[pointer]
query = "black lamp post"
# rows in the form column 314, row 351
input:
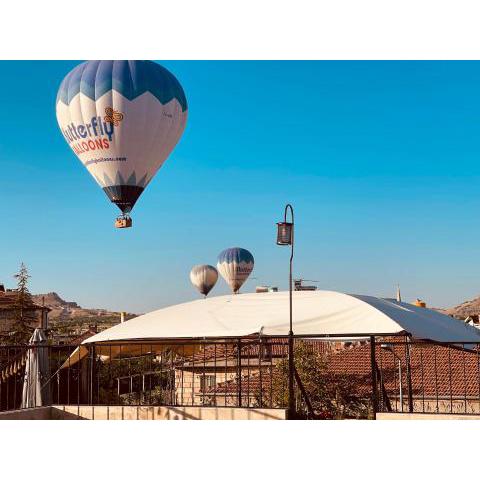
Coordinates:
column 285, row 237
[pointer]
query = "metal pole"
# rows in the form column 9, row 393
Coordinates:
column 291, row 360
column 239, row 371
column 400, row 383
column 409, row 375
column 373, row 364
column 92, row 374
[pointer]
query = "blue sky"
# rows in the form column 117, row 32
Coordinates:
column 379, row 159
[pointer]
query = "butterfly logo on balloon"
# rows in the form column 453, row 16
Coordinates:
column 113, row 117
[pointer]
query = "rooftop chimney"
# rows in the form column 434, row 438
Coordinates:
column 420, row 303
column 122, row 316
column 2, row 288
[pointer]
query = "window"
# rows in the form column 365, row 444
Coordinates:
column 266, row 352
column 206, row 382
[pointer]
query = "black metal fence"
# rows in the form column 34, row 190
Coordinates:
column 333, row 378
column 427, row 377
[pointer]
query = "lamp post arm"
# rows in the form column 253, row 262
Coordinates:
column 289, row 207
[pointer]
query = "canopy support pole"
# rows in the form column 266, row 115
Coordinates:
column 239, row 374
column 409, row 374
column 373, row 364
column 92, row 358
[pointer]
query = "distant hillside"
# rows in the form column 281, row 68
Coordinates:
column 469, row 307
column 62, row 310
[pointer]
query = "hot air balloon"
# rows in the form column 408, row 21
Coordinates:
column 235, row 265
column 204, row 278
column 121, row 119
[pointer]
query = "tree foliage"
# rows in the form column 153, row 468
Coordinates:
column 331, row 395
column 25, row 315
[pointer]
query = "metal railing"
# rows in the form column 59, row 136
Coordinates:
column 426, row 377
column 334, row 378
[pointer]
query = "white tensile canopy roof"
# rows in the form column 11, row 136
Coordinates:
column 314, row 313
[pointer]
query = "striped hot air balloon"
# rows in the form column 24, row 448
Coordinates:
column 204, row 278
column 121, row 119
column 235, row 265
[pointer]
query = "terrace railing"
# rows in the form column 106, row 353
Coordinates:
column 334, row 378
column 427, row 377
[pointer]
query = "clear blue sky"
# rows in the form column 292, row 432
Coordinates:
column 380, row 160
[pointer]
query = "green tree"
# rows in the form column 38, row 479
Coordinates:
column 25, row 315
column 331, row 395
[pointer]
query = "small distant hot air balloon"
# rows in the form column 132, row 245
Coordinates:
column 204, row 278
column 122, row 119
column 235, row 265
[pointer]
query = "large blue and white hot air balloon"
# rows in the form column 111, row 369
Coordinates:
column 204, row 278
column 121, row 119
column 235, row 265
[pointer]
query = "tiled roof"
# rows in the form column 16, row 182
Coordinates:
column 83, row 336
column 277, row 348
column 251, row 384
column 436, row 371
column 8, row 300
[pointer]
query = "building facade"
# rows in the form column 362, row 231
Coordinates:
column 8, row 312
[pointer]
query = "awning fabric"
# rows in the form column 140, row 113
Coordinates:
column 110, row 350
column 314, row 313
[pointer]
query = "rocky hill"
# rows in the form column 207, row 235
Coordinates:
column 469, row 307
column 65, row 310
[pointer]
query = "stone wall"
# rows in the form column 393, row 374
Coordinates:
column 71, row 412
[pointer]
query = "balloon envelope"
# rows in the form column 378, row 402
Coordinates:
column 121, row 119
column 204, row 278
column 235, row 265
